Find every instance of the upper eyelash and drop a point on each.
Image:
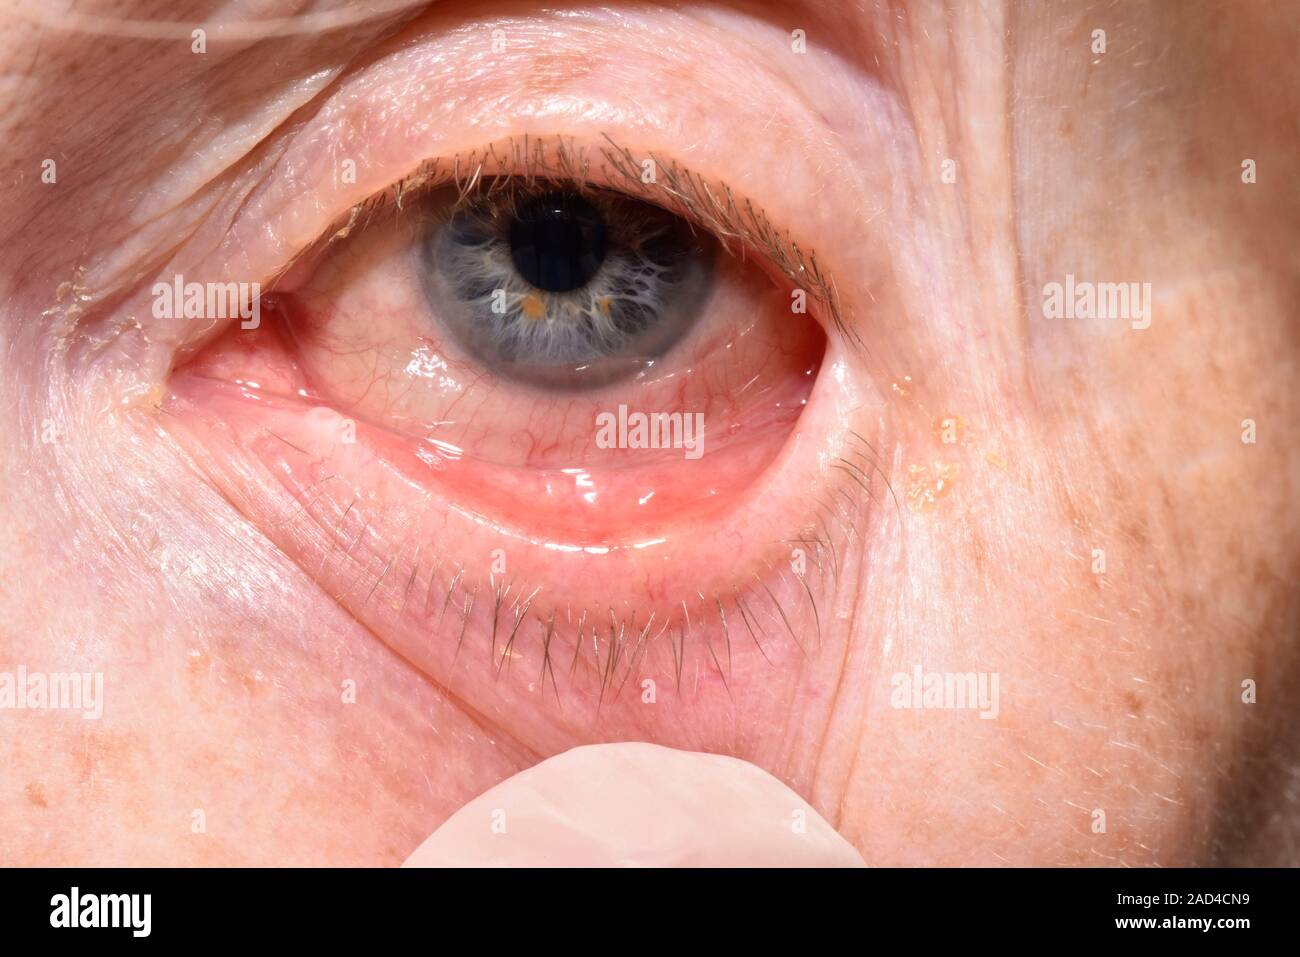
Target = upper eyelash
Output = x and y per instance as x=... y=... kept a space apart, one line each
x=561 y=158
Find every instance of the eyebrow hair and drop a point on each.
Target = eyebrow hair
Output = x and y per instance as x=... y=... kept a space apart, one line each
x=734 y=221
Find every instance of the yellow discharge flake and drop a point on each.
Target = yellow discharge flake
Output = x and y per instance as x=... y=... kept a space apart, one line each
x=532 y=306
x=929 y=484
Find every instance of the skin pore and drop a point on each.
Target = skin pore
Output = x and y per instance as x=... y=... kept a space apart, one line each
x=962 y=465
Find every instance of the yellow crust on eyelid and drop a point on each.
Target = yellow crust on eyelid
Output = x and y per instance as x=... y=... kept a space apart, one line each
x=929 y=484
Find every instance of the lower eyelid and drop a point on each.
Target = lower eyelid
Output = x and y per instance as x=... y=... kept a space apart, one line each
x=365 y=520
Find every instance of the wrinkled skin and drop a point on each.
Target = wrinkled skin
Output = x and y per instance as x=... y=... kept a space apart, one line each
x=1121 y=690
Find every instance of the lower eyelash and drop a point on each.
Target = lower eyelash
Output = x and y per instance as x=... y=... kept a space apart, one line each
x=604 y=647
x=609 y=647
x=589 y=650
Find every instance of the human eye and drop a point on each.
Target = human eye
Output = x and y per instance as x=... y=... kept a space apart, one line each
x=500 y=322
x=520 y=408
x=554 y=412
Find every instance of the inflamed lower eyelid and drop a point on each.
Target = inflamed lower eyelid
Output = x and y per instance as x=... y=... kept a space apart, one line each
x=710 y=612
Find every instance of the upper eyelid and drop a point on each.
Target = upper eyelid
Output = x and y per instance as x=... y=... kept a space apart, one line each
x=683 y=192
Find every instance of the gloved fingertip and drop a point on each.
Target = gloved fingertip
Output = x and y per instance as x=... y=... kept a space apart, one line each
x=637 y=805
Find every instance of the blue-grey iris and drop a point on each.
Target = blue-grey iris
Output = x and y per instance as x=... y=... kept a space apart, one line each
x=565 y=288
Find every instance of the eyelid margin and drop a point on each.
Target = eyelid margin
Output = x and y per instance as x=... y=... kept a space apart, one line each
x=739 y=226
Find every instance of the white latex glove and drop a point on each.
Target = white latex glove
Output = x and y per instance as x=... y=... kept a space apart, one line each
x=637 y=805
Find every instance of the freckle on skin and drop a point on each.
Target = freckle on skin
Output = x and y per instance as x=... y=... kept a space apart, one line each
x=553 y=73
x=978 y=550
x=195 y=670
x=36 y=795
x=1136 y=532
x=252 y=683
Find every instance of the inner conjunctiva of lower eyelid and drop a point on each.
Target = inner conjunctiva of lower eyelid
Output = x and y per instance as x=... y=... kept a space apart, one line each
x=718 y=605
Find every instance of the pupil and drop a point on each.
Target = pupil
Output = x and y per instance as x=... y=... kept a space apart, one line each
x=557 y=241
